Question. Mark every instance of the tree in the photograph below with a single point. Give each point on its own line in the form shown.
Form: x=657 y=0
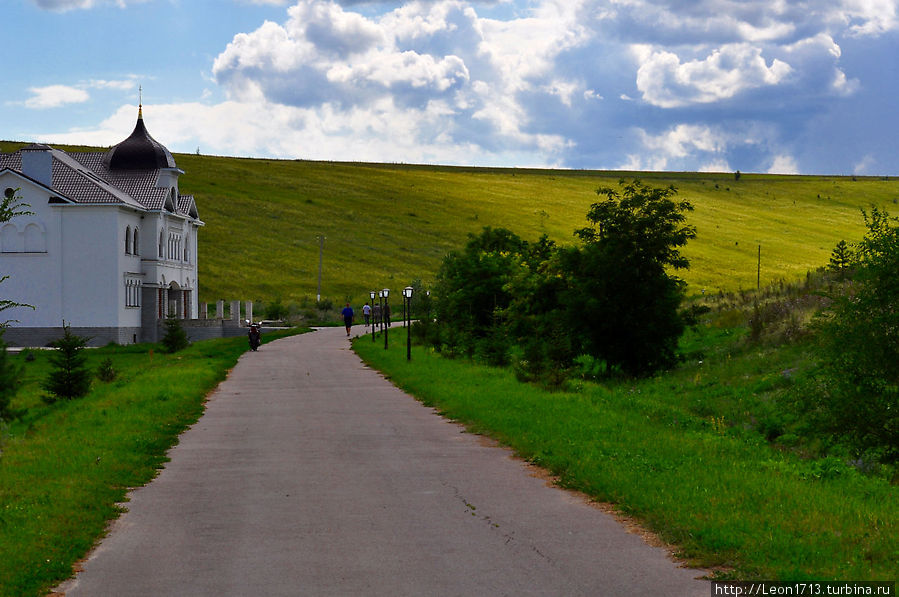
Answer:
x=471 y=285
x=70 y=378
x=640 y=223
x=175 y=338
x=859 y=398
x=621 y=302
x=841 y=259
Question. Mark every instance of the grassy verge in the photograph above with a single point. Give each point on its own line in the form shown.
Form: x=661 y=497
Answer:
x=65 y=468
x=677 y=453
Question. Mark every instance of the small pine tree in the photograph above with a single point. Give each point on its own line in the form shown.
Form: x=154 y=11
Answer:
x=106 y=372
x=9 y=381
x=841 y=259
x=70 y=377
x=175 y=337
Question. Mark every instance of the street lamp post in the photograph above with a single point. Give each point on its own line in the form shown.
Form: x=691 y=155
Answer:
x=385 y=313
x=371 y=295
x=407 y=312
x=381 y=309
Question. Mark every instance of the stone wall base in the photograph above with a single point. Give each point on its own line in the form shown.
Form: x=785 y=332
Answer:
x=97 y=336
x=196 y=329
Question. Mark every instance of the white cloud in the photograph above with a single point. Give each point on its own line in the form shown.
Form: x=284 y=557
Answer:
x=866 y=166
x=784 y=164
x=716 y=165
x=685 y=139
x=668 y=83
x=409 y=61
x=710 y=82
x=869 y=17
x=54 y=96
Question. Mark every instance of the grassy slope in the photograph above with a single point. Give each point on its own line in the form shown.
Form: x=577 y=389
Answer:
x=386 y=225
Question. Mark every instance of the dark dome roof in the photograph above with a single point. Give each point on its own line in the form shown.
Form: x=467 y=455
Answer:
x=140 y=151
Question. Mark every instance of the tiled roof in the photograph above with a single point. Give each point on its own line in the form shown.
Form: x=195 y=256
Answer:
x=85 y=178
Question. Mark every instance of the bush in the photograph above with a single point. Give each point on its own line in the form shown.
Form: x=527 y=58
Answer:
x=276 y=310
x=175 y=338
x=106 y=372
x=70 y=377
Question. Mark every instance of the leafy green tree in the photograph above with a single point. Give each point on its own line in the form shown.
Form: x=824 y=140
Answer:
x=621 y=302
x=175 y=337
x=859 y=399
x=471 y=285
x=69 y=378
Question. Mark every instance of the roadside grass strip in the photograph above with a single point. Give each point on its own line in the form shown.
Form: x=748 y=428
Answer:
x=65 y=469
x=722 y=496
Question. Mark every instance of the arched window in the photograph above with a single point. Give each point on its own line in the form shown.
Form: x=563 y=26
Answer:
x=162 y=244
x=128 y=240
x=135 y=246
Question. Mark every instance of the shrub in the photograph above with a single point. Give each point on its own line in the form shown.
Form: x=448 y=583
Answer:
x=276 y=310
x=106 y=372
x=70 y=377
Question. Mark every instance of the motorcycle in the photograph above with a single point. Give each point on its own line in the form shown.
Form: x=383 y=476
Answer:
x=255 y=337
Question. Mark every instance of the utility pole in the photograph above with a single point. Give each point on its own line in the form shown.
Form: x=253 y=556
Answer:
x=758 y=279
x=321 y=251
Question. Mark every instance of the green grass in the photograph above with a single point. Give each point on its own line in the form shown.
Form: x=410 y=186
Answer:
x=64 y=468
x=386 y=225
x=678 y=452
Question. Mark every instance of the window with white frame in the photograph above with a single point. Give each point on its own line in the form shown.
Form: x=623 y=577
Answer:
x=128 y=240
x=132 y=291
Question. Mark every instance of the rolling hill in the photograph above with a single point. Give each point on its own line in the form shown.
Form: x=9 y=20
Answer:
x=387 y=224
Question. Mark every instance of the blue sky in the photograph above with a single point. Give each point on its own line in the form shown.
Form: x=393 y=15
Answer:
x=715 y=85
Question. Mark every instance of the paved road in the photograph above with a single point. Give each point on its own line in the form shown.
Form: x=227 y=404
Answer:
x=309 y=474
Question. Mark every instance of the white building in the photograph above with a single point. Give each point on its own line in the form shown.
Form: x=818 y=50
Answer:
x=110 y=248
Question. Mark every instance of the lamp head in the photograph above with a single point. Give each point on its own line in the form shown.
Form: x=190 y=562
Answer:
x=386 y=292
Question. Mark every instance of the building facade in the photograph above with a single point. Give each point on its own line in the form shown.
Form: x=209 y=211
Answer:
x=109 y=248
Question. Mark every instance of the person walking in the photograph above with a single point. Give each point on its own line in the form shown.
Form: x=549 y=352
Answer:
x=348 y=316
x=366 y=313
x=376 y=313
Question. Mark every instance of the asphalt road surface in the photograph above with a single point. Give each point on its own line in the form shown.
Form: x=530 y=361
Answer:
x=310 y=474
